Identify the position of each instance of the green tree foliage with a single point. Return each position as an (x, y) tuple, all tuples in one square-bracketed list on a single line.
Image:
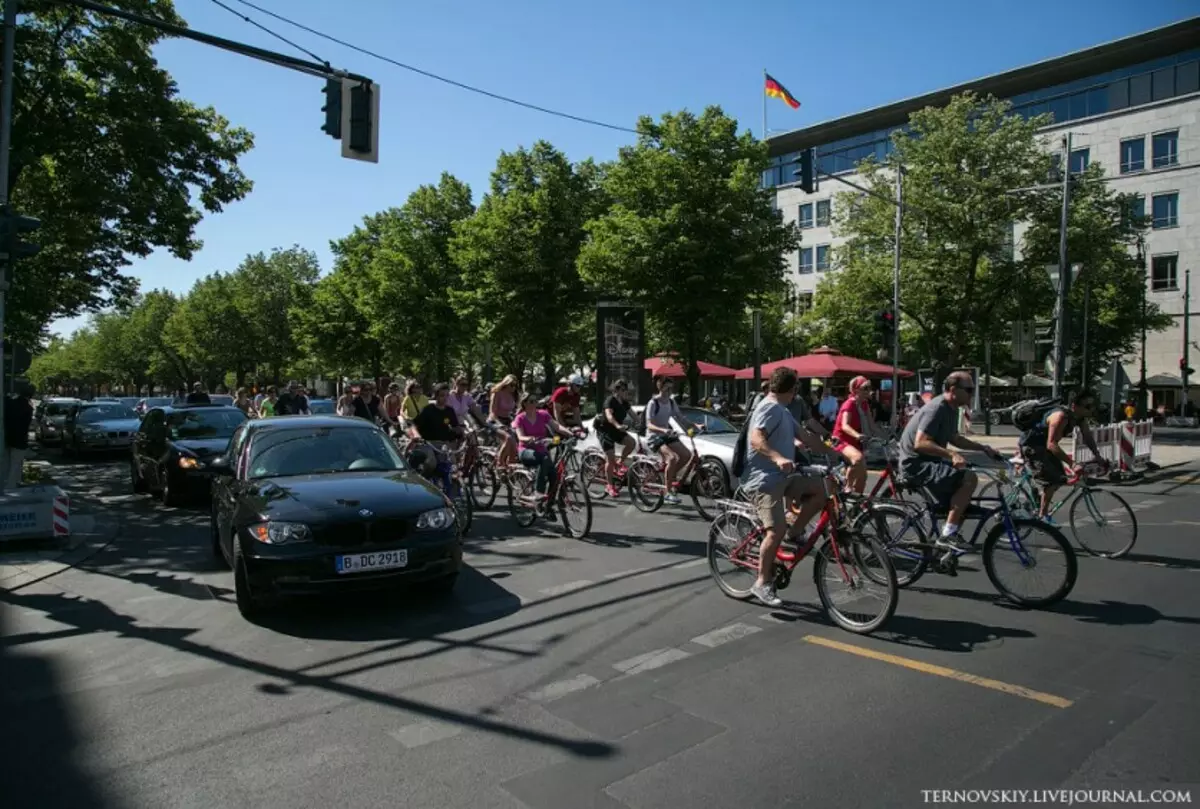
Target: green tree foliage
[(108, 156), (959, 277), (209, 334), (521, 288), (334, 332), (267, 290), (691, 235)]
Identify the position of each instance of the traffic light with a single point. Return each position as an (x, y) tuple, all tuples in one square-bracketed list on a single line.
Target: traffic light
[(885, 326), (13, 226), (332, 109), (806, 170), (1184, 370), (360, 118)]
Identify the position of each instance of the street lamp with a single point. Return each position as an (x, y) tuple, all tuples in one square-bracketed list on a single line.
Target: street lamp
[(1141, 254)]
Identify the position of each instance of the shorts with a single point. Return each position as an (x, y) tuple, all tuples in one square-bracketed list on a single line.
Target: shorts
[(771, 503), (940, 478), (659, 440), (1046, 467), (610, 437)]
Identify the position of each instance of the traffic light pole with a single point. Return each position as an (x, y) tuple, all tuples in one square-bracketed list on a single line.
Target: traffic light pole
[(1064, 273), (6, 98), (1184, 376)]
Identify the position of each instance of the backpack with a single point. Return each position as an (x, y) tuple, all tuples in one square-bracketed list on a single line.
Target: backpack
[(639, 421), (1028, 414), (740, 446)]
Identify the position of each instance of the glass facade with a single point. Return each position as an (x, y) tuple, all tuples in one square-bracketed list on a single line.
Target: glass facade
[(1167, 77)]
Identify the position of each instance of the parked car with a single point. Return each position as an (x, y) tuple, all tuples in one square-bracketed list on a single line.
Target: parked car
[(314, 504), (151, 402), (48, 419), (172, 446), (98, 426), (322, 407), (130, 401)]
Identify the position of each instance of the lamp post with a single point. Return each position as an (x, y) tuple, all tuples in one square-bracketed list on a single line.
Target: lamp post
[(1141, 254)]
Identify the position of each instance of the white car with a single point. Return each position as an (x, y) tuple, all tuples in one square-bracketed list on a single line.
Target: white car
[(716, 442)]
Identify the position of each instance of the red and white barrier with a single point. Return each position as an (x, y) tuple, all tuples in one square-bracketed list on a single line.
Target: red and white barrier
[(61, 515), (1124, 445)]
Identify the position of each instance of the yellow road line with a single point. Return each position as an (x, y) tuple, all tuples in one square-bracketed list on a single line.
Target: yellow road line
[(941, 671)]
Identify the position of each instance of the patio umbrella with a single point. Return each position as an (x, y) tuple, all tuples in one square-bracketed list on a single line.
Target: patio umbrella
[(826, 362), (670, 367), (1035, 381)]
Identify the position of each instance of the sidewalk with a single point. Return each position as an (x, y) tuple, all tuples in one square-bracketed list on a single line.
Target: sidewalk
[(1161, 454)]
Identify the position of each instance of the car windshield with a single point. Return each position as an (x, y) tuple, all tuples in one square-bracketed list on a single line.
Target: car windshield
[(158, 401), (104, 412), (320, 407), (130, 401), (713, 425), (57, 408), (321, 450), (192, 424), (221, 399)]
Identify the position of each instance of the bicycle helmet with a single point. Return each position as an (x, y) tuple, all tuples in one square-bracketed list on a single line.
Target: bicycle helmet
[(576, 380)]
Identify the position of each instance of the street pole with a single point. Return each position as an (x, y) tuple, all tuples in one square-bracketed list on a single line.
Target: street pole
[(764, 101), (1187, 316), (987, 384), (895, 415), (1087, 305), (1143, 404), (757, 319), (1064, 272), (6, 263)]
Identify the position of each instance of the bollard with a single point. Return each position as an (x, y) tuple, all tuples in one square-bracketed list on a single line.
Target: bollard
[(62, 515)]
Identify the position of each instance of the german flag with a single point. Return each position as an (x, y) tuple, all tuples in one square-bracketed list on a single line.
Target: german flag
[(776, 90)]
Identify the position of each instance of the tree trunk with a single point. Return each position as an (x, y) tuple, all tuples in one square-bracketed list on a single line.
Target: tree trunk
[(693, 370), (548, 370)]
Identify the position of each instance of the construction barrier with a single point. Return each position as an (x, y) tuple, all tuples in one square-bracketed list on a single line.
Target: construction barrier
[(1125, 445)]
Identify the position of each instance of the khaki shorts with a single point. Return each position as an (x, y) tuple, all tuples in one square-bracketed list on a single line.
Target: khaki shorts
[(772, 503)]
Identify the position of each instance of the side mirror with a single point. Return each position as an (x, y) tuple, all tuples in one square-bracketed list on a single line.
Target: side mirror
[(219, 467)]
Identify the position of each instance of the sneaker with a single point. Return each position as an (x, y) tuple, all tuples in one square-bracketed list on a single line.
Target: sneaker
[(955, 543), (550, 516), (766, 594), (612, 490), (1048, 519), (673, 499)]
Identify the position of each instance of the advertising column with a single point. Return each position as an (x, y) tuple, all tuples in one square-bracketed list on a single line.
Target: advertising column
[(621, 348)]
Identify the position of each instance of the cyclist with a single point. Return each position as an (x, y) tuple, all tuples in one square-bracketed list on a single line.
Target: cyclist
[(659, 412), (414, 401), (768, 479), (610, 429), (1041, 445), (438, 426), (853, 424), (464, 403), (392, 403), (500, 412), (925, 460), (532, 425), (565, 402)]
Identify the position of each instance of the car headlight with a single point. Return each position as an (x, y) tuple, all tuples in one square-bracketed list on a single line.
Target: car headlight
[(435, 519), (281, 533), (188, 462)]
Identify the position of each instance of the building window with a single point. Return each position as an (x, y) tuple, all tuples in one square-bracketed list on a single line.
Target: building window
[(1164, 273), (1139, 90), (1166, 149), (804, 303), (806, 260), (823, 213), (1079, 160), (822, 257), (1166, 210), (805, 220), (1133, 155), (1137, 208)]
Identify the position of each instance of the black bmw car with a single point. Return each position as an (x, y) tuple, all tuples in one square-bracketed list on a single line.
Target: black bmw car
[(172, 446), (304, 505)]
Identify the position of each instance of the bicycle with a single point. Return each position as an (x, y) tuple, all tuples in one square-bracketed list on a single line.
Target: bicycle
[(570, 497), (471, 460), (1025, 498), (456, 493), (648, 488), (593, 472), (1005, 532), (838, 547)]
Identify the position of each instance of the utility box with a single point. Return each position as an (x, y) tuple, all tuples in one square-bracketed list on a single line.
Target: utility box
[(34, 512)]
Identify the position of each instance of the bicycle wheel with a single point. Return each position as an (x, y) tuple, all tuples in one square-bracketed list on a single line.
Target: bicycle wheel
[(520, 497), (647, 486), (482, 484), (1106, 526), (708, 486), (1029, 546), (902, 535), (592, 474), (732, 561), (464, 508), (575, 508), (855, 555)]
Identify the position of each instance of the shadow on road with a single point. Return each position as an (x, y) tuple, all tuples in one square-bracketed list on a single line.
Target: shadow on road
[(945, 635)]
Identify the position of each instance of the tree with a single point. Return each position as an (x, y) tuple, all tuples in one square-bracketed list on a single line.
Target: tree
[(210, 334), (335, 329), (147, 322), (267, 290), (691, 235), (960, 280), (108, 156), (67, 364), (518, 257)]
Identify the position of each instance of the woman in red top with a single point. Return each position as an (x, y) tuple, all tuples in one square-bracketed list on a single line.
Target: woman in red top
[(852, 425)]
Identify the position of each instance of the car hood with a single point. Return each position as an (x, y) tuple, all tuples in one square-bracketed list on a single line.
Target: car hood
[(202, 447), (342, 495), (113, 425)]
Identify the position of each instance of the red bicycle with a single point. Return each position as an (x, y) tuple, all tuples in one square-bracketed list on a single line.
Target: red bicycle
[(569, 496), (845, 554)]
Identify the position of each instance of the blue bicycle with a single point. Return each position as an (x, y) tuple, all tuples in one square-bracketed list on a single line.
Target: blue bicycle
[(1029, 546)]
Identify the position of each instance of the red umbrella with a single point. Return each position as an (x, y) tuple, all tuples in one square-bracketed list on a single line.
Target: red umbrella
[(823, 363), (668, 366)]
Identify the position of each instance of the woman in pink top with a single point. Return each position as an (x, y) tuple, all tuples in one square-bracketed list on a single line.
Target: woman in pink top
[(852, 425), (533, 427), (500, 413)]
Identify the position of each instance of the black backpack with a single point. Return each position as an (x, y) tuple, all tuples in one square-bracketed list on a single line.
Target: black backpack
[(1028, 414)]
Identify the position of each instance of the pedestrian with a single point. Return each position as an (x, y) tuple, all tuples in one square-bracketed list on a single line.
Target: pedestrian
[(290, 402), (18, 416), (198, 396)]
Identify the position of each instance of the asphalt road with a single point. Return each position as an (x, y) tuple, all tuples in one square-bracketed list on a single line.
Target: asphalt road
[(600, 673)]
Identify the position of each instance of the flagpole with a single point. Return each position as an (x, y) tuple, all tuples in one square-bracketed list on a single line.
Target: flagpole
[(764, 98)]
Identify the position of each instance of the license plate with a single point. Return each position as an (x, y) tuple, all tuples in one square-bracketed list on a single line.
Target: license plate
[(380, 560)]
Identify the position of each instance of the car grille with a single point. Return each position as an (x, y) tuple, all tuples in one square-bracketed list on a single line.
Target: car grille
[(357, 534), (119, 435)]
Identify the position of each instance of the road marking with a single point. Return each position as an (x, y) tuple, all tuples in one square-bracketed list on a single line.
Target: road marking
[(725, 634), (561, 688), (423, 733), (689, 563), (562, 589), (650, 660), (942, 671), (522, 543), (625, 574)]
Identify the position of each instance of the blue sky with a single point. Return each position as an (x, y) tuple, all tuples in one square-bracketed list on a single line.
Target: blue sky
[(610, 61)]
